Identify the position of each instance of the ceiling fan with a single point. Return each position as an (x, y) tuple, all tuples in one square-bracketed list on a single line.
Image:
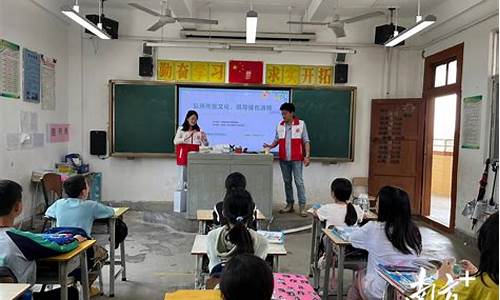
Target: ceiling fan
[(337, 25), (166, 17)]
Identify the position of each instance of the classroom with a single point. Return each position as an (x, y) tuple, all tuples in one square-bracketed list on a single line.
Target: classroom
[(249, 149)]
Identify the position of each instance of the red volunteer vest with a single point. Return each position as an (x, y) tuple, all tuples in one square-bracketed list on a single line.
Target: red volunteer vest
[(297, 152), (182, 150)]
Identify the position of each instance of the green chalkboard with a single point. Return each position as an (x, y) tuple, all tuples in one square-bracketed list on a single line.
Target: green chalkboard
[(143, 118), (329, 117)]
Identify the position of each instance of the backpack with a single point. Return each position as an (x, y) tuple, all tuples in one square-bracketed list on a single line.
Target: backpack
[(121, 232)]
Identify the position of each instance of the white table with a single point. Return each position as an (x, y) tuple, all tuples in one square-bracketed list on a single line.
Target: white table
[(11, 291)]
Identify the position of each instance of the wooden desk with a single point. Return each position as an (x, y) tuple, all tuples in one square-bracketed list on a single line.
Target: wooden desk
[(206, 215), (111, 224), (194, 294), (335, 244), (314, 270), (66, 263), (200, 250), (11, 291), (316, 227)]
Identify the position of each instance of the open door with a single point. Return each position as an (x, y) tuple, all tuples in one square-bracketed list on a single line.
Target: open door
[(442, 93), (396, 147)]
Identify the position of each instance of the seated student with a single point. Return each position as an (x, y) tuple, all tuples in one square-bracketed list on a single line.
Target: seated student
[(392, 239), (234, 237), (76, 211), (20, 249), (247, 277), (341, 211), (235, 180), (484, 285)]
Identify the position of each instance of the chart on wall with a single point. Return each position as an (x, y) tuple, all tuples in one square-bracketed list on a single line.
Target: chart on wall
[(9, 69), (471, 122), (48, 66), (31, 76)]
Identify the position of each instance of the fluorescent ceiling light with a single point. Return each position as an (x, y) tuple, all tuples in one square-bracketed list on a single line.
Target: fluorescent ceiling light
[(314, 50), (251, 48), (73, 15), (251, 26), (426, 22), (187, 45)]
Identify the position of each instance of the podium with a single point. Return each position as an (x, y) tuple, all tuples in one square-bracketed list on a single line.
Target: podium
[(207, 173)]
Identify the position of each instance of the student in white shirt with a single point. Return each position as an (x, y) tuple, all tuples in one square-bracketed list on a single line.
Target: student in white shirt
[(393, 239), (235, 237), (342, 211), (339, 213)]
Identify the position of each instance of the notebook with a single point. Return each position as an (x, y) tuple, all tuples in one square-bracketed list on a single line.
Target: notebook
[(292, 287), (273, 237)]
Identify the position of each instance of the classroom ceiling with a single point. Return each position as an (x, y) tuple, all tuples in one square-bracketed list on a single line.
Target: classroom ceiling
[(346, 8)]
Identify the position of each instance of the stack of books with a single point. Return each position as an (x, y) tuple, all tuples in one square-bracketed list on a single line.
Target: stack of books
[(273, 237), (405, 277), (344, 232)]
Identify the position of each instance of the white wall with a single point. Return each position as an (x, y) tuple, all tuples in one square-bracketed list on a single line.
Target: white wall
[(474, 82), (33, 27), (85, 66), (154, 179)]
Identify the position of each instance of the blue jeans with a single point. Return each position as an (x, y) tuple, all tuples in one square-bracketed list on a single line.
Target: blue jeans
[(287, 169)]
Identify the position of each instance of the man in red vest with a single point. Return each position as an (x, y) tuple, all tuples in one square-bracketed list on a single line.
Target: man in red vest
[(294, 151)]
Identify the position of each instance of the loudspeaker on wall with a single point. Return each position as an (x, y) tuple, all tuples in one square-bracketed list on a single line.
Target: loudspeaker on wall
[(341, 73), (98, 142)]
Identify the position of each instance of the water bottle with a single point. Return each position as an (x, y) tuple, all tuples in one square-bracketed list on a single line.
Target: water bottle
[(364, 202)]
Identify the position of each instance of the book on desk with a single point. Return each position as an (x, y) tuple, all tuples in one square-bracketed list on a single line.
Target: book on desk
[(344, 232), (405, 277), (273, 237)]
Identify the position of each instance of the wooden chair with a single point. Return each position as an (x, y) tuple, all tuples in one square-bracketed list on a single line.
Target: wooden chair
[(6, 276), (52, 190)]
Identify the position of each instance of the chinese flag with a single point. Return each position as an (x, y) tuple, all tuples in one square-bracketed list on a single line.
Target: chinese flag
[(242, 71)]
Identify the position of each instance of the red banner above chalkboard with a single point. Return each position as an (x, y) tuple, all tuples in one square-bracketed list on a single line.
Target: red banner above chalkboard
[(241, 71)]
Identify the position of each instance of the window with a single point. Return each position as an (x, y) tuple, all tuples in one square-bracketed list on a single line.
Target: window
[(452, 72), (440, 76), (444, 123), (445, 74)]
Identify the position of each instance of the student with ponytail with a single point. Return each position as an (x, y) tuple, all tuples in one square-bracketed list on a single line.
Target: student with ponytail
[(394, 238), (235, 237), (341, 212), (234, 181)]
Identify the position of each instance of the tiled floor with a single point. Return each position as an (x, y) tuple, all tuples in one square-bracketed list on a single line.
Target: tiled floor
[(158, 258), (440, 209)]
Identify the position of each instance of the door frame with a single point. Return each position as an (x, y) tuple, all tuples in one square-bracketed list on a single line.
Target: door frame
[(429, 93)]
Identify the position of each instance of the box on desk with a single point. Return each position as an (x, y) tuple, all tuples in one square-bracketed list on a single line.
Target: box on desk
[(64, 168)]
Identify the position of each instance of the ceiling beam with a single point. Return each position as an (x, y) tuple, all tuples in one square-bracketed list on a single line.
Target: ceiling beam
[(183, 8), (318, 10)]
